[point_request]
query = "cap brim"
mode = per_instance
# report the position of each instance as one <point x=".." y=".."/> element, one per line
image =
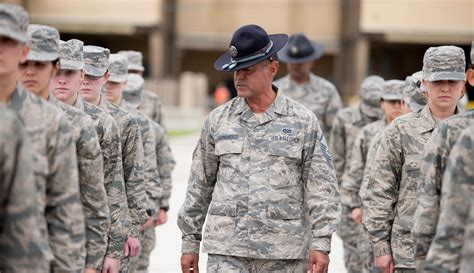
<point x="71" y="65"/>
<point x="317" y="54"/>
<point x="447" y="76"/>
<point x="279" y="40"/>
<point x="117" y="78"/>
<point x="93" y="71"/>
<point x="14" y="35"/>
<point x="392" y="97"/>
<point x="42" y="56"/>
<point x="136" y="67"/>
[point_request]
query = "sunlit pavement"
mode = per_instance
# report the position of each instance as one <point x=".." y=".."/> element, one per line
<point x="165" y="257"/>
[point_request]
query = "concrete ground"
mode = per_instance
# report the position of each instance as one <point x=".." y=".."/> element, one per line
<point x="166" y="255"/>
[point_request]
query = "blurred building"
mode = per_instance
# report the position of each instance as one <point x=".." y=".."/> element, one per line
<point x="361" y="37"/>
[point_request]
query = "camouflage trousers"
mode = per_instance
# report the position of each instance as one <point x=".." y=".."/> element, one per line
<point x="148" y="244"/>
<point x="350" y="233"/>
<point x="230" y="264"/>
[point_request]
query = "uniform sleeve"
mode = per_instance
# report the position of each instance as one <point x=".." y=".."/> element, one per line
<point x="322" y="192"/>
<point x="165" y="164"/>
<point x="20" y="249"/>
<point x="134" y="176"/>
<point x="63" y="211"/>
<point x="383" y="183"/>
<point x="337" y="146"/>
<point x="445" y="250"/>
<point x="199" y="192"/>
<point x="428" y="192"/>
<point x="373" y="147"/>
<point x="352" y="180"/>
<point x="152" y="178"/>
<point x="332" y="108"/>
<point x="115" y="188"/>
<point x="93" y="196"/>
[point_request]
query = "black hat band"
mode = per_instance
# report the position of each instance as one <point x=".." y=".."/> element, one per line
<point x="234" y="62"/>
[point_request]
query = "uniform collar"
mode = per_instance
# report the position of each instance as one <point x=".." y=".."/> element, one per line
<point x="279" y="106"/>
<point x="428" y="123"/>
<point x="79" y="103"/>
<point x="17" y="98"/>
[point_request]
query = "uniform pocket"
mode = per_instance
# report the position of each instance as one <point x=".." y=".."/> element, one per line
<point x="224" y="147"/>
<point x="223" y="209"/>
<point x="284" y="212"/>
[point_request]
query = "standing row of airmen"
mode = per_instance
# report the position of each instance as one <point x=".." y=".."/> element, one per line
<point x="396" y="179"/>
<point x="86" y="165"/>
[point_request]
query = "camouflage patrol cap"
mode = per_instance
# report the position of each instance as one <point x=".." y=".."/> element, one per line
<point x="71" y="54"/>
<point x="135" y="59"/>
<point x="14" y="22"/>
<point x="412" y="93"/>
<point x="118" y="68"/>
<point x="133" y="93"/>
<point x="444" y="63"/>
<point x="96" y="60"/>
<point x="371" y="90"/>
<point x="43" y="42"/>
<point x="393" y="90"/>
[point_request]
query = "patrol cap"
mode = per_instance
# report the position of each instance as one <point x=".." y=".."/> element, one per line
<point x="14" y="22"/>
<point x="118" y="68"/>
<point x="135" y="59"/>
<point x="133" y="93"/>
<point x="444" y="63"/>
<point x="371" y="90"/>
<point x="71" y="54"/>
<point x="412" y="93"/>
<point x="96" y="60"/>
<point x="393" y="90"/>
<point x="43" y="42"/>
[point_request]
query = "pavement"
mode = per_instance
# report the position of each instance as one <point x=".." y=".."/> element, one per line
<point x="165" y="258"/>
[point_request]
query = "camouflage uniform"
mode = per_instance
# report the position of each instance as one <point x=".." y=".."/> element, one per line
<point x="97" y="60"/>
<point x="44" y="47"/>
<point x="71" y="55"/>
<point x="152" y="180"/>
<point x="165" y="164"/>
<point x="347" y="125"/>
<point x="56" y="176"/>
<point x="454" y="227"/>
<point x="109" y="139"/>
<point x="131" y="98"/>
<point x="20" y="245"/>
<point x="319" y="95"/>
<point x="266" y="183"/>
<point x="151" y="103"/>
<point x="352" y="179"/>
<point x="467" y="256"/>
<point x="433" y="165"/>
<point x="91" y="184"/>
<point x="434" y="161"/>
<point x="390" y="208"/>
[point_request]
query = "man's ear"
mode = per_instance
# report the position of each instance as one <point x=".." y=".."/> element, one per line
<point x="274" y="66"/>
<point x="470" y="76"/>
